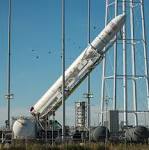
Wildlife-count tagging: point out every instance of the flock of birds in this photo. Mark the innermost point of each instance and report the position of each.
(37, 55)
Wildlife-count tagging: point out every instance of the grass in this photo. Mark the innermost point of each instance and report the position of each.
(93, 146)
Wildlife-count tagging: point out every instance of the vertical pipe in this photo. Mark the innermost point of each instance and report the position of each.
(124, 67)
(75, 116)
(88, 90)
(88, 101)
(103, 71)
(106, 139)
(145, 49)
(89, 23)
(63, 68)
(9, 64)
(133, 60)
(53, 126)
(46, 130)
(115, 63)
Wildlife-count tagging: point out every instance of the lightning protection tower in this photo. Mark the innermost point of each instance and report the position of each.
(125, 69)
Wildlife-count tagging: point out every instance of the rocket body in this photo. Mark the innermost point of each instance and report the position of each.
(78, 70)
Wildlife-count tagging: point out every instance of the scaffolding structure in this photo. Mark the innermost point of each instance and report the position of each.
(128, 57)
(80, 115)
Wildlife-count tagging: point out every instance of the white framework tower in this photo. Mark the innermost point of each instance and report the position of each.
(128, 72)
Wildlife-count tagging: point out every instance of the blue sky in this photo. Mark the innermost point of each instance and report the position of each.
(36, 49)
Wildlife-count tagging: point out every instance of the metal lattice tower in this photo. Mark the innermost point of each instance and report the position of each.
(127, 76)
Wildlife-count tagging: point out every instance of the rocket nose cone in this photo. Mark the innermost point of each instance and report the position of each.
(120, 19)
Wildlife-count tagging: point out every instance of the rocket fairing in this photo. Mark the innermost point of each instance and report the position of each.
(78, 70)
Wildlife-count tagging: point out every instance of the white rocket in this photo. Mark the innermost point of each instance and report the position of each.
(78, 70)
